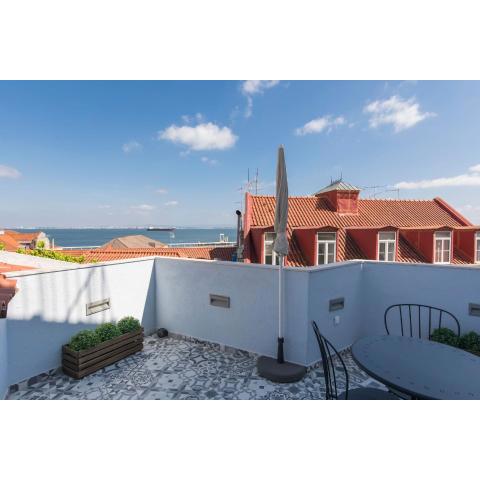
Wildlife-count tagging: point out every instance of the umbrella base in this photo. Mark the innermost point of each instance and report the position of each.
(286, 372)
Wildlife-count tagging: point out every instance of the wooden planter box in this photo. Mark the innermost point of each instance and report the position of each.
(79, 364)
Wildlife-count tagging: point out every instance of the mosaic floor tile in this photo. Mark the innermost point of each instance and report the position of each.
(189, 369)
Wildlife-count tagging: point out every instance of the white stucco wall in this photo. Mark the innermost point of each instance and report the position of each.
(444, 286)
(329, 283)
(50, 307)
(174, 293)
(182, 293)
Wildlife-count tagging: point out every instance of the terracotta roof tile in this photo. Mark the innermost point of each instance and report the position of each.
(201, 253)
(316, 211)
(9, 243)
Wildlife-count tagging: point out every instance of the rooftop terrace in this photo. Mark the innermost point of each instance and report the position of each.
(50, 306)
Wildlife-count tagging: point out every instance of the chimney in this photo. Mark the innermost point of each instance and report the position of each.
(342, 196)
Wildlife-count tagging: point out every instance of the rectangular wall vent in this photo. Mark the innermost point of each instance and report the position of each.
(336, 304)
(474, 309)
(219, 301)
(98, 306)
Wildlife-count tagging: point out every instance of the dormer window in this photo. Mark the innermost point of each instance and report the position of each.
(443, 247)
(269, 256)
(386, 246)
(326, 247)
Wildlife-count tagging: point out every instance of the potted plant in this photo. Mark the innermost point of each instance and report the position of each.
(91, 350)
(469, 342)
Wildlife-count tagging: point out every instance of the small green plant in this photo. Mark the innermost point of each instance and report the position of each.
(128, 324)
(40, 244)
(84, 339)
(2, 246)
(445, 335)
(107, 331)
(470, 341)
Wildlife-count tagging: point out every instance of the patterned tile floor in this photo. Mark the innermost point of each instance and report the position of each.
(175, 368)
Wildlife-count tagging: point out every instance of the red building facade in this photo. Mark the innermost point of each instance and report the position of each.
(335, 225)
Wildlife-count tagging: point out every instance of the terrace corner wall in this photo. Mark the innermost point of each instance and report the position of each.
(50, 306)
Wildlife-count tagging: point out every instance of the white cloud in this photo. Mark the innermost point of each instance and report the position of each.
(171, 203)
(132, 146)
(198, 117)
(144, 207)
(204, 136)
(255, 87)
(318, 125)
(161, 191)
(209, 161)
(9, 172)
(252, 87)
(469, 179)
(402, 114)
(472, 212)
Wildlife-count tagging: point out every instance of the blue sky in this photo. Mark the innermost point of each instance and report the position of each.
(136, 153)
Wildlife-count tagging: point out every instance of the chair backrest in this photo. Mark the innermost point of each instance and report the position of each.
(414, 320)
(327, 352)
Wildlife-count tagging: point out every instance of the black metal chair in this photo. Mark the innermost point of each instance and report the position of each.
(413, 319)
(327, 352)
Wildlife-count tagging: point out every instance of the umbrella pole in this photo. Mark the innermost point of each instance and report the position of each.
(280, 356)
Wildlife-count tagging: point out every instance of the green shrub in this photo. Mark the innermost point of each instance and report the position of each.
(107, 331)
(470, 341)
(83, 340)
(128, 324)
(40, 245)
(445, 335)
(2, 246)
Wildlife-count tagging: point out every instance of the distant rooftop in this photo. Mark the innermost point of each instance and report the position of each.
(201, 253)
(133, 241)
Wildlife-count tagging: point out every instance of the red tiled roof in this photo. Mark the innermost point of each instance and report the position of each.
(8, 267)
(317, 211)
(9, 243)
(406, 253)
(23, 237)
(202, 253)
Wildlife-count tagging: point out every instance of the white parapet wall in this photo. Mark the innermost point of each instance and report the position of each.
(50, 305)
(183, 290)
(33, 261)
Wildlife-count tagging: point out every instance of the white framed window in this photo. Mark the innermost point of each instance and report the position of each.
(326, 247)
(477, 247)
(386, 246)
(443, 245)
(269, 256)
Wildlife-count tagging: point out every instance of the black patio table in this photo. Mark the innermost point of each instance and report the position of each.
(420, 368)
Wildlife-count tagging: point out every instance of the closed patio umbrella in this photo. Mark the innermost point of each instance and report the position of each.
(278, 370)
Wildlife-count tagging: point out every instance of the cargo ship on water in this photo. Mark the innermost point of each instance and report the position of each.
(161, 229)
